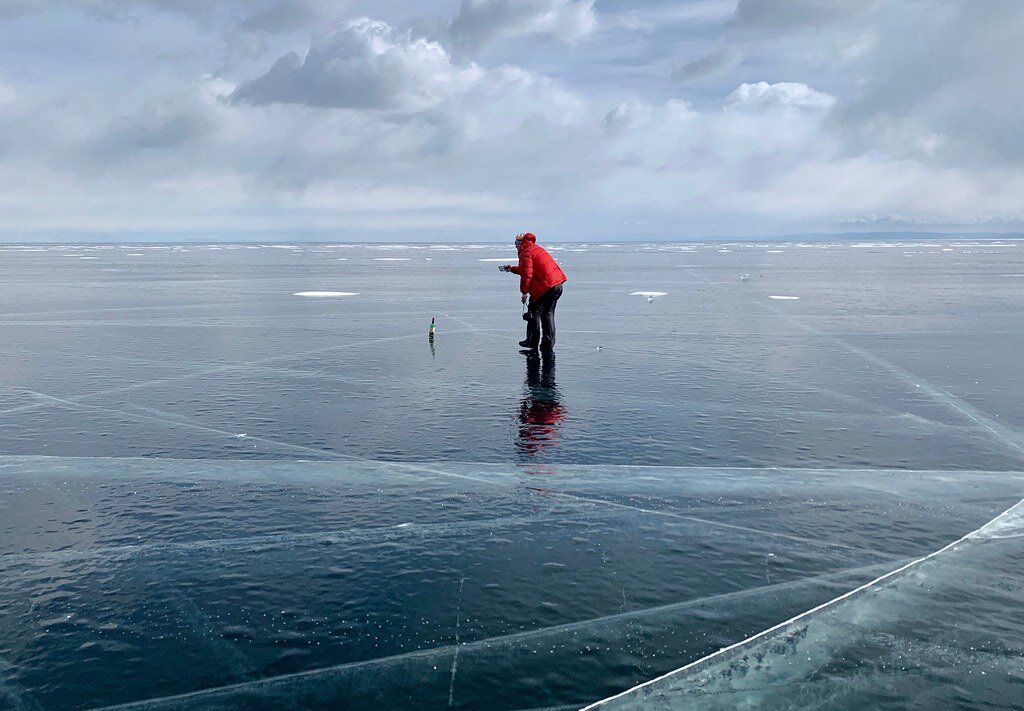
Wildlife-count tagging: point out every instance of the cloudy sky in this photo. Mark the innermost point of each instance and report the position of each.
(476, 119)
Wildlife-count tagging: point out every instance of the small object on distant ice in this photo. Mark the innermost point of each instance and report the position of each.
(785, 298)
(241, 435)
(325, 294)
(651, 295)
(744, 277)
(433, 329)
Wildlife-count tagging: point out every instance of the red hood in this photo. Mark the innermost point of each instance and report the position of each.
(528, 239)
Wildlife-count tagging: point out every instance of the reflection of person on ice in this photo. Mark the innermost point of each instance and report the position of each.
(540, 412)
(541, 279)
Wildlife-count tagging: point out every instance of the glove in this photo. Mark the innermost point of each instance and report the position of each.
(524, 298)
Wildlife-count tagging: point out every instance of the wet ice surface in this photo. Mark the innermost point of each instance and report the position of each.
(216, 494)
(172, 353)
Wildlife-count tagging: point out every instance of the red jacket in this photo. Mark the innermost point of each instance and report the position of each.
(537, 271)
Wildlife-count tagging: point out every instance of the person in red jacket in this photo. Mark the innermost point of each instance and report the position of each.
(541, 279)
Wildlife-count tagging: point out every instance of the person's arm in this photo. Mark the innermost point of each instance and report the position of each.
(525, 272)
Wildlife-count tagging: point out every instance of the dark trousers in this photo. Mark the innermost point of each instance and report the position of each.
(541, 315)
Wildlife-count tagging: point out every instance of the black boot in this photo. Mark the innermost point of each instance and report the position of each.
(527, 344)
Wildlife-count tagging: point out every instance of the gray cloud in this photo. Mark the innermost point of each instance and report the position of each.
(364, 65)
(149, 130)
(718, 62)
(936, 81)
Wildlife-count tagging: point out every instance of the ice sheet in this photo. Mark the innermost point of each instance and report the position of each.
(793, 457)
(362, 583)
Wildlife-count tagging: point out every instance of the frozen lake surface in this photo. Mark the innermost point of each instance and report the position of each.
(216, 493)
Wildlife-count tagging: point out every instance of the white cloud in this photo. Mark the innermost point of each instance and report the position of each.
(782, 95)
(482, 21)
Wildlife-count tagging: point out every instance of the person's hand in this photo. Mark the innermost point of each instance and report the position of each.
(524, 298)
(502, 267)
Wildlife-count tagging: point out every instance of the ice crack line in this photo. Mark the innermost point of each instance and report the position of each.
(706, 521)
(1006, 436)
(1002, 434)
(195, 697)
(704, 661)
(455, 657)
(219, 369)
(170, 420)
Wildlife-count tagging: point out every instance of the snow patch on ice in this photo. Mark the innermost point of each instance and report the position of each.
(325, 294)
(785, 298)
(650, 294)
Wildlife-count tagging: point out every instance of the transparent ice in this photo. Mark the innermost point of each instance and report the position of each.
(214, 494)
